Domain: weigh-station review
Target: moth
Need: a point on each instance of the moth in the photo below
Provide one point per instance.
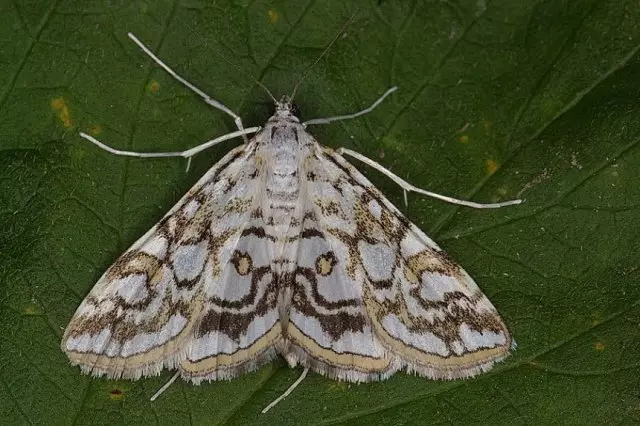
(283, 247)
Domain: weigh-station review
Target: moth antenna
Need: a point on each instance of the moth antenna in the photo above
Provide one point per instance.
(324, 52)
(247, 76)
(259, 83)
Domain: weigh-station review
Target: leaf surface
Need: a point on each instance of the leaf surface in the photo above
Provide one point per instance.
(497, 100)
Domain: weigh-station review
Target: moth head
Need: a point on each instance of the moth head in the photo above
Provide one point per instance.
(286, 110)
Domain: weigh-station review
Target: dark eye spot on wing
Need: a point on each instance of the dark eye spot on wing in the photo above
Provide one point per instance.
(325, 263)
(243, 262)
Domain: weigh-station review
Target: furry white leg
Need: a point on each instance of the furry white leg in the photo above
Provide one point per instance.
(355, 114)
(208, 99)
(410, 188)
(165, 387)
(287, 392)
(186, 154)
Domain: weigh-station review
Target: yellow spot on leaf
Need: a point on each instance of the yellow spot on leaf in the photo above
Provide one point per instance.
(153, 87)
(463, 139)
(95, 130)
(596, 318)
(599, 346)
(338, 386)
(31, 310)
(61, 108)
(492, 166)
(273, 16)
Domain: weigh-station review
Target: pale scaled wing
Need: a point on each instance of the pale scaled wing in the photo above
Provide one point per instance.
(405, 303)
(329, 329)
(151, 308)
(239, 326)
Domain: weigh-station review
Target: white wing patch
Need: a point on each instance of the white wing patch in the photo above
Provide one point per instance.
(239, 326)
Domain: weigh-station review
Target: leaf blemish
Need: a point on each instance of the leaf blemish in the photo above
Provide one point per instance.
(153, 87)
(96, 129)
(599, 346)
(338, 386)
(116, 394)
(273, 16)
(492, 166)
(30, 310)
(61, 108)
(463, 138)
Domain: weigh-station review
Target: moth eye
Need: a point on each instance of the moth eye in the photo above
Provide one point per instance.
(295, 110)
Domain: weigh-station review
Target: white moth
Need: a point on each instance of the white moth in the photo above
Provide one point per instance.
(283, 247)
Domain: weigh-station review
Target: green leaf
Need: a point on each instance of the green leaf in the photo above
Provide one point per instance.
(497, 99)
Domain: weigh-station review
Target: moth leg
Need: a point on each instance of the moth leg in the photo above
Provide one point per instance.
(208, 99)
(185, 154)
(287, 392)
(165, 386)
(410, 188)
(355, 114)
